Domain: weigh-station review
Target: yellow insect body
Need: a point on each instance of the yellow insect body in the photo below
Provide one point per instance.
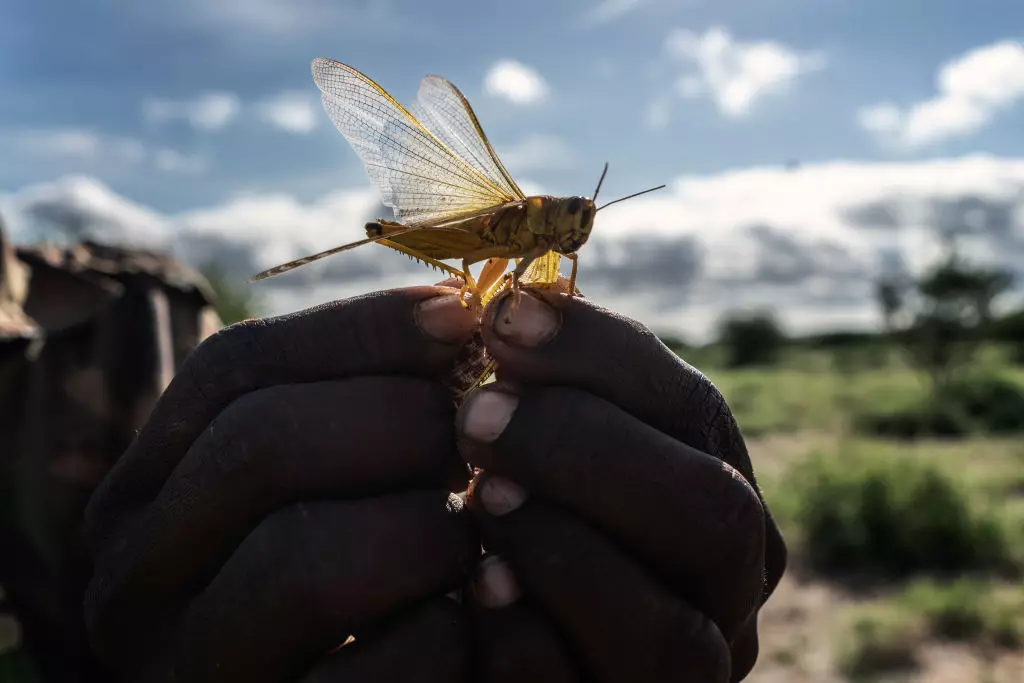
(450, 193)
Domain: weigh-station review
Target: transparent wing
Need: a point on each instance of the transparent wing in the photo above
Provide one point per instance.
(447, 114)
(417, 175)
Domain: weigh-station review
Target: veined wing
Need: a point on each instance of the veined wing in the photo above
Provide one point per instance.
(543, 270)
(445, 111)
(417, 175)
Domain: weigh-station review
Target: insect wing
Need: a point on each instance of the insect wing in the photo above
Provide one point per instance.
(421, 178)
(543, 271)
(446, 112)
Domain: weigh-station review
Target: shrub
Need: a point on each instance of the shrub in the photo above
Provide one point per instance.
(993, 403)
(967, 610)
(750, 340)
(987, 404)
(878, 640)
(890, 518)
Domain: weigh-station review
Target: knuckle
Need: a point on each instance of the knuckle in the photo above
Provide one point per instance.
(744, 520)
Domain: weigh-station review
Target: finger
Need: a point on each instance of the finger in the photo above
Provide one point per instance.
(304, 580)
(692, 518)
(554, 339)
(620, 621)
(513, 640)
(415, 331)
(270, 448)
(431, 643)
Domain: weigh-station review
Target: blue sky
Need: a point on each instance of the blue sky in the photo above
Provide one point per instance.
(184, 107)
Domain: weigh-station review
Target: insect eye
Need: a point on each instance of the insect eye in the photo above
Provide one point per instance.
(574, 205)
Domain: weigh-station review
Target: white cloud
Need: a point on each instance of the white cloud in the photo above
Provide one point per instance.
(607, 11)
(657, 114)
(102, 212)
(972, 90)
(209, 111)
(172, 161)
(240, 22)
(75, 148)
(804, 242)
(881, 118)
(77, 143)
(734, 74)
(515, 82)
(537, 152)
(294, 112)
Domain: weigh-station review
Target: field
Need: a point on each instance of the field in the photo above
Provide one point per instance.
(867, 595)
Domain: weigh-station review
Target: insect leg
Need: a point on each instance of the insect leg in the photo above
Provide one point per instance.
(574, 257)
(426, 260)
(516, 288)
(469, 285)
(491, 273)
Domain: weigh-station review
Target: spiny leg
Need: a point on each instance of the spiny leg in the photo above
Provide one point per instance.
(468, 285)
(574, 257)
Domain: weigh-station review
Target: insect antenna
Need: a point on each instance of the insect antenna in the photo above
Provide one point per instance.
(600, 180)
(629, 196)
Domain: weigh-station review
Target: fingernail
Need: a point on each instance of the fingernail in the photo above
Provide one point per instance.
(501, 496)
(487, 415)
(532, 324)
(445, 319)
(495, 584)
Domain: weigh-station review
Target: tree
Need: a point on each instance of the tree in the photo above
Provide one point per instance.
(233, 303)
(949, 308)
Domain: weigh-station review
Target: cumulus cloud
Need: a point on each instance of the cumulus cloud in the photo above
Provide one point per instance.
(83, 206)
(292, 111)
(172, 161)
(515, 82)
(658, 113)
(537, 152)
(77, 143)
(973, 89)
(607, 11)
(83, 147)
(209, 111)
(736, 75)
(806, 242)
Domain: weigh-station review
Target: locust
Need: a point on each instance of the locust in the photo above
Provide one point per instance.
(450, 194)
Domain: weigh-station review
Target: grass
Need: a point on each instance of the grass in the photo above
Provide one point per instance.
(864, 512)
(886, 636)
(826, 390)
(968, 610)
(913, 513)
(878, 640)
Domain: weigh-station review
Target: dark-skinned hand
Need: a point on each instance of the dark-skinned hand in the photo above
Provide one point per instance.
(626, 535)
(292, 488)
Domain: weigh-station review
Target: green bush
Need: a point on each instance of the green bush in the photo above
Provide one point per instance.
(748, 340)
(879, 640)
(993, 403)
(967, 610)
(890, 518)
(987, 404)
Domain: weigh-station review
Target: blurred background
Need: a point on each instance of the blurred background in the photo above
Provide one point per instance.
(840, 248)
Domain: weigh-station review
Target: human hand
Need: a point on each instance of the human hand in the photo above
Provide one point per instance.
(292, 487)
(631, 542)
